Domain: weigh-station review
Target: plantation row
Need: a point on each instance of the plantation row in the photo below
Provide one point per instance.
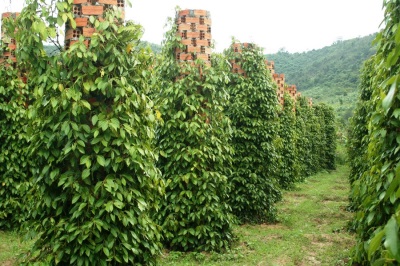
(109, 153)
(374, 150)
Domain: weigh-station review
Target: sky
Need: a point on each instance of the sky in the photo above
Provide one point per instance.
(292, 25)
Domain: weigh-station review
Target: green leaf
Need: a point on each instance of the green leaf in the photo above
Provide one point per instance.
(375, 243)
(387, 101)
(85, 173)
(392, 238)
(101, 160)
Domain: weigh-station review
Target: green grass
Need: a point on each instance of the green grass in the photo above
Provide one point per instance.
(311, 231)
(12, 247)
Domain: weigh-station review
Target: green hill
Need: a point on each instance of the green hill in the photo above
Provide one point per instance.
(330, 74)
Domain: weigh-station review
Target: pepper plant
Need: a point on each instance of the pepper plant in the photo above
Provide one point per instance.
(253, 109)
(14, 162)
(92, 129)
(194, 143)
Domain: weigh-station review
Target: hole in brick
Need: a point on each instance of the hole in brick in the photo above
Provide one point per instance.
(13, 41)
(193, 26)
(184, 34)
(209, 42)
(183, 19)
(203, 49)
(76, 33)
(194, 42)
(121, 3)
(202, 35)
(209, 29)
(201, 20)
(67, 45)
(236, 49)
(186, 49)
(77, 10)
(235, 70)
(178, 56)
(194, 56)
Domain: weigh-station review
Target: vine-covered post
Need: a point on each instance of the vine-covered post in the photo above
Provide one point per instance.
(14, 162)
(92, 130)
(193, 139)
(253, 110)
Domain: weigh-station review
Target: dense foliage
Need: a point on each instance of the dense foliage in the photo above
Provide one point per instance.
(195, 153)
(289, 168)
(92, 127)
(333, 66)
(14, 164)
(254, 114)
(376, 170)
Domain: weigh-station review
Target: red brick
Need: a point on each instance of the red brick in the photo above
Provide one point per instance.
(92, 10)
(85, 42)
(77, 2)
(11, 46)
(199, 12)
(195, 34)
(109, 2)
(73, 34)
(81, 22)
(193, 20)
(183, 12)
(88, 32)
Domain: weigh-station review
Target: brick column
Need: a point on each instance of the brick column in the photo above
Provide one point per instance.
(82, 10)
(194, 26)
(8, 44)
(280, 81)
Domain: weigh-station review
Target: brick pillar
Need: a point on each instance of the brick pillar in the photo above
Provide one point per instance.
(292, 91)
(8, 44)
(194, 26)
(280, 81)
(82, 10)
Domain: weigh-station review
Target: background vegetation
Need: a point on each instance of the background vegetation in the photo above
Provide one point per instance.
(329, 75)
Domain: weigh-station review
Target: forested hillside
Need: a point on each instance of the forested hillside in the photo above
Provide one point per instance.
(330, 74)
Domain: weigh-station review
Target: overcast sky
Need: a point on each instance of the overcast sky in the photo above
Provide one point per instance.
(295, 25)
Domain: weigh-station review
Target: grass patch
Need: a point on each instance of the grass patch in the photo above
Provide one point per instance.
(12, 247)
(311, 231)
